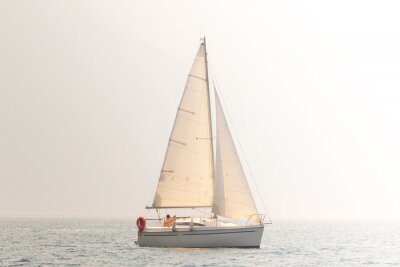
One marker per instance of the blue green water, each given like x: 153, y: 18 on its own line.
x: 110, y: 242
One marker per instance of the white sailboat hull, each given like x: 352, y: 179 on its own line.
x: 202, y: 237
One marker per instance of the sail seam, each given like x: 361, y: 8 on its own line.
x: 177, y: 189
x: 194, y: 152
x: 192, y: 120
x: 196, y: 91
x: 197, y: 77
x: 191, y: 181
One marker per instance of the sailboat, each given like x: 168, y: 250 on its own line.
x: 198, y: 175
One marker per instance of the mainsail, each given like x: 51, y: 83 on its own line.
x: 232, y: 195
x: 186, y: 178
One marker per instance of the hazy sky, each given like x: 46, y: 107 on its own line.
x: 89, y: 91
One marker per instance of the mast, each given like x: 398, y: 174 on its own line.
x: 209, y: 115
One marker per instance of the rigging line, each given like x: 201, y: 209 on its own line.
x: 213, y: 77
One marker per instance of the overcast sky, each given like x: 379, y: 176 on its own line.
x: 89, y: 91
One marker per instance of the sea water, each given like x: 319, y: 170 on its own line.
x: 111, y: 242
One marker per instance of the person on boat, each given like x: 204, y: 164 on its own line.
x: 169, y: 221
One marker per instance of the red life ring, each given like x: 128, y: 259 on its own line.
x: 141, y: 224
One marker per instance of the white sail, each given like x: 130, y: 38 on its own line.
x: 186, y: 176
x: 232, y: 195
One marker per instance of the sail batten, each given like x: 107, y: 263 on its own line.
x: 188, y: 180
